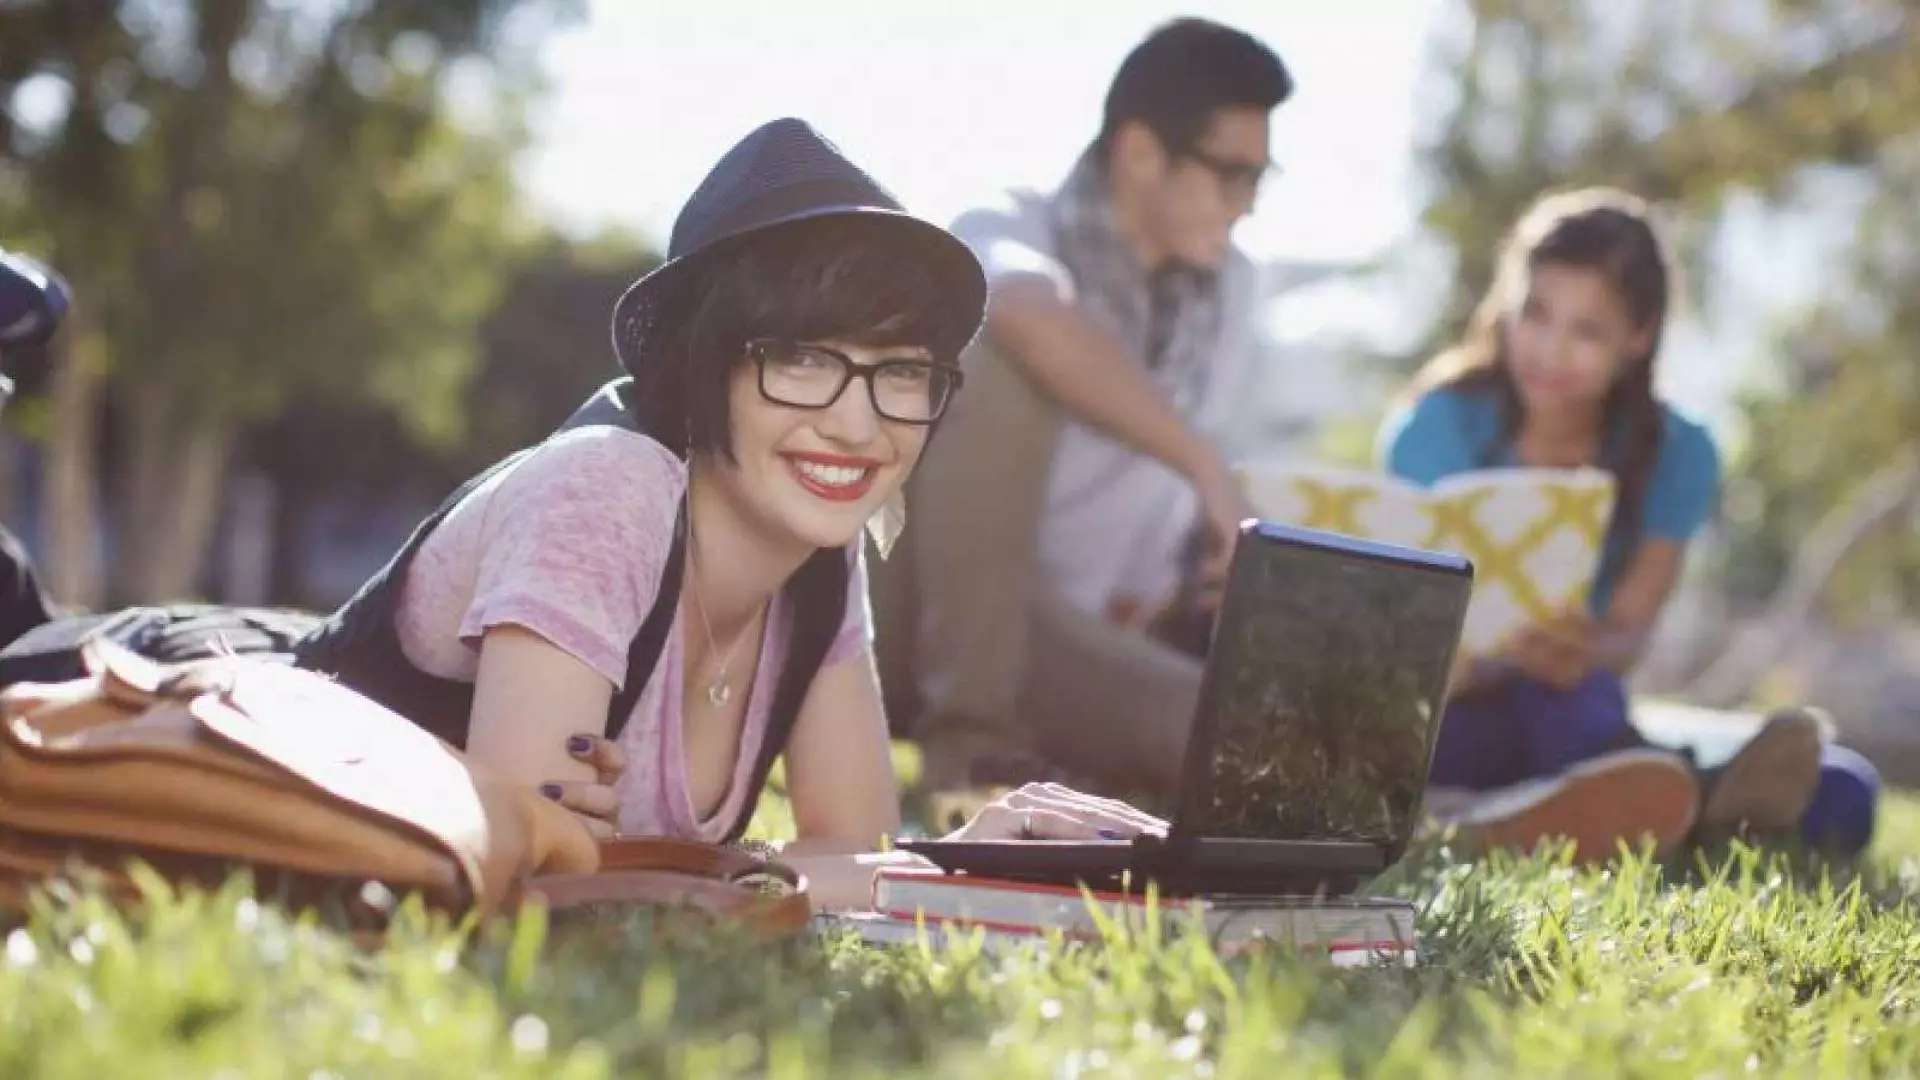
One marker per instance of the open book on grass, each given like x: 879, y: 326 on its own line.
x: 1534, y: 535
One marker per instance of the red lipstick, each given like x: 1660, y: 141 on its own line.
x: 833, y: 488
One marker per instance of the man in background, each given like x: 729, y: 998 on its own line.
x: 33, y: 299
x: 1087, y: 458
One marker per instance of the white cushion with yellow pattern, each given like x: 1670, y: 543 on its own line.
x: 1534, y: 535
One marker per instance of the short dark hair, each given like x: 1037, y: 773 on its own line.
x: 1185, y: 71
x: 844, y: 278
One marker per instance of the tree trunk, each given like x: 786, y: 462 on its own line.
x: 246, y: 573
x: 1888, y: 492
x: 194, y: 516
x: 168, y: 500
x: 288, y: 583
x: 169, y: 503
x: 75, y: 572
x: 145, y: 446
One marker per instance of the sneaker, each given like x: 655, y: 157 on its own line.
x: 1446, y: 805
x: 1766, y: 786
x: 1627, y: 796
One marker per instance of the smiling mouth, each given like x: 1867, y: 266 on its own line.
x: 833, y: 482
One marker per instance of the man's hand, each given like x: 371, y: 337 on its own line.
x: 1223, y: 507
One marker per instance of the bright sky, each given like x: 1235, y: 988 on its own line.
x: 947, y: 103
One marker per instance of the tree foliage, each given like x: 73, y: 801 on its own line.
x: 262, y: 203
x: 544, y: 346
x: 1845, y: 407
x: 1691, y: 102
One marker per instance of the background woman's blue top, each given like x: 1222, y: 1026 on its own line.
x: 1450, y: 431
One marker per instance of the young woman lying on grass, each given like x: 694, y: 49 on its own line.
x: 1558, y: 370
x: 673, y: 589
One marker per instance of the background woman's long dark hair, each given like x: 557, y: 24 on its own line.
x: 1602, y: 229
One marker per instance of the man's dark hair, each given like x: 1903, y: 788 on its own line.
x: 1183, y: 73
x: 826, y: 278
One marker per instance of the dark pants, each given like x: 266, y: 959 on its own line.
x: 23, y: 604
x: 1522, y: 729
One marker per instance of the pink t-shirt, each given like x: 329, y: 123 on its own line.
x: 570, y: 543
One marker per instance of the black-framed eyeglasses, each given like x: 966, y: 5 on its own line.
x: 804, y: 376
x: 1242, y: 176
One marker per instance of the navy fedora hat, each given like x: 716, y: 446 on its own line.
x: 781, y: 173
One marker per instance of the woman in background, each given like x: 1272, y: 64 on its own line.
x: 1558, y: 370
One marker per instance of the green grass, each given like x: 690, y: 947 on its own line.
x: 1742, y: 964
x: 1896, y: 836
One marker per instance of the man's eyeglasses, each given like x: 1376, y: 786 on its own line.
x: 814, y: 376
x: 1241, y: 176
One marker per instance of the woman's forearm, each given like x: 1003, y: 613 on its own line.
x: 1618, y: 648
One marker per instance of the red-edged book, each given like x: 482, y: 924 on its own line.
x: 1350, y: 929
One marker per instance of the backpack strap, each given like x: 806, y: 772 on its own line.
x: 643, y: 655
x: 817, y: 597
x: 612, y: 406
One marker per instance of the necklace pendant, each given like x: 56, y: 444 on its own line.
x: 719, y: 692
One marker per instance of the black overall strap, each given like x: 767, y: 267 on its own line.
x: 817, y: 600
x: 644, y: 654
x: 610, y: 407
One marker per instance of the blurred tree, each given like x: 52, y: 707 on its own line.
x: 1685, y: 103
x: 1827, y: 496
x: 544, y: 347
x: 258, y: 203
x: 1690, y: 103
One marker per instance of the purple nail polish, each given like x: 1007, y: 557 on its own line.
x: 551, y: 791
x: 578, y: 744
x: 1110, y: 834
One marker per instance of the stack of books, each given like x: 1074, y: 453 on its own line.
x: 1349, y: 931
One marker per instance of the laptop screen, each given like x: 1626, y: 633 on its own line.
x: 1323, y: 690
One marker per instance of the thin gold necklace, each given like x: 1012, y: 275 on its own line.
x: 720, y: 690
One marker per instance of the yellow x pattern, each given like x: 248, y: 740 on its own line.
x: 1456, y: 525
x: 1331, y: 508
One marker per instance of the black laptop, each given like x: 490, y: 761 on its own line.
x: 1307, y: 762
